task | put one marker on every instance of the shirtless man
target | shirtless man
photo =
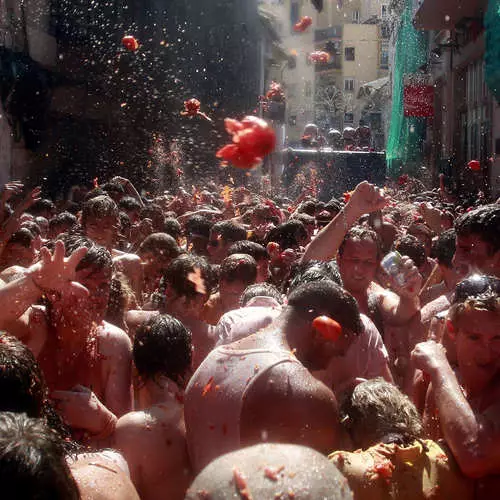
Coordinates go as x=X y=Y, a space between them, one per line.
x=152 y=439
x=464 y=406
x=86 y=361
x=260 y=388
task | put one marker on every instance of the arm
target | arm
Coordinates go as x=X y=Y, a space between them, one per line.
x=474 y=438
x=365 y=198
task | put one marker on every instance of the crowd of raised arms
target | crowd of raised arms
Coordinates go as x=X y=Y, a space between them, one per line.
x=213 y=343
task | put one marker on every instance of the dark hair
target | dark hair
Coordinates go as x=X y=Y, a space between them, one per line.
x=361 y=233
x=124 y=221
x=128 y=203
x=381 y=411
x=304 y=218
x=23 y=237
x=97 y=208
x=97 y=256
x=63 y=220
x=230 y=231
x=33 y=461
x=251 y=248
x=41 y=206
x=444 y=248
x=162 y=346
x=94 y=193
x=312 y=271
x=483 y=222
x=113 y=187
x=32 y=226
x=334 y=206
x=326 y=297
x=288 y=234
x=307 y=207
x=160 y=245
x=411 y=247
x=198 y=225
x=238 y=267
x=260 y=290
x=477 y=286
x=172 y=227
x=155 y=213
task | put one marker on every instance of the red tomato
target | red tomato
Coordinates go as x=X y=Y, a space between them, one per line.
x=319 y=56
x=303 y=24
x=130 y=43
x=192 y=107
x=328 y=327
x=474 y=165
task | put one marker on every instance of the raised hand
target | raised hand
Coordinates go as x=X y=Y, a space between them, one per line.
x=366 y=198
x=11 y=189
x=408 y=282
x=429 y=357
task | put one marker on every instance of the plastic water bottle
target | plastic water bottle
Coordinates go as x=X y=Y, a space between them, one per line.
x=392 y=264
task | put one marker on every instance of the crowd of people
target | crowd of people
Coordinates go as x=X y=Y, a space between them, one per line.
x=216 y=343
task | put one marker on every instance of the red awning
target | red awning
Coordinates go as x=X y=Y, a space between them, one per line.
x=445 y=14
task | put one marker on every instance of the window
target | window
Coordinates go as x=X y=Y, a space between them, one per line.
x=294 y=14
x=292 y=120
x=348 y=117
x=385 y=31
x=385 y=12
x=349 y=53
x=355 y=16
x=384 y=55
x=349 y=84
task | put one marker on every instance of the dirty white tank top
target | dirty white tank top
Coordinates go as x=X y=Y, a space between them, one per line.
x=215 y=396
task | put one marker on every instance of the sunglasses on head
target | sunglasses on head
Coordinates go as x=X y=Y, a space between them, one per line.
x=475 y=286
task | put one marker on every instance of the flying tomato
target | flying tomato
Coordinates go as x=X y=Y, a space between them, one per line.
x=130 y=43
x=303 y=24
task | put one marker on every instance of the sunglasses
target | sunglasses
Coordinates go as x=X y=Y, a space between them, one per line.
x=475 y=286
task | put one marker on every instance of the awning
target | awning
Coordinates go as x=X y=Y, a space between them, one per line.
x=371 y=87
x=445 y=14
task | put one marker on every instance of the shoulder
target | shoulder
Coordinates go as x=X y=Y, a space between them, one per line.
x=113 y=341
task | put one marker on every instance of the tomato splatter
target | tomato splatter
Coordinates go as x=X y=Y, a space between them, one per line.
x=130 y=43
x=474 y=165
x=347 y=196
x=303 y=24
x=403 y=179
x=253 y=139
x=272 y=473
x=208 y=387
x=328 y=327
x=319 y=56
x=275 y=92
x=384 y=469
x=192 y=108
x=241 y=484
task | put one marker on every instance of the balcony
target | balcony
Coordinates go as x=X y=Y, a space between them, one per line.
x=445 y=14
x=336 y=63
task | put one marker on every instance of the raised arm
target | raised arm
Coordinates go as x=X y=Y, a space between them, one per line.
x=365 y=198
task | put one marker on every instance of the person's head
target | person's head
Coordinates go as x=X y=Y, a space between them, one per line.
x=162 y=348
x=258 y=252
x=474 y=320
x=359 y=258
x=309 y=301
x=443 y=251
x=301 y=473
x=157 y=251
x=260 y=290
x=114 y=191
x=33 y=461
x=94 y=273
x=19 y=249
x=100 y=220
x=197 y=229
x=186 y=285
x=155 y=214
x=43 y=208
x=43 y=224
x=309 y=223
x=312 y=271
x=236 y=273
x=378 y=412
x=478 y=241
x=131 y=207
x=61 y=223
x=423 y=234
x=411 y=247
x=173 y=228
x=291 y=234
x=222 y=236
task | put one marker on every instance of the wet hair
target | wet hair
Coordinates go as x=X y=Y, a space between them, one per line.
x=362 y=233
x=162 y=346
x=238 y=267
x=94 y=193
x=312 y=271
x=304 y=218
x=129 y=203
x=230 y=231
x=288 y=234
x=483 y=222
x=326 y=297
x=63 y=220
x=411 y=247
x=23 y=237
x=155 y=213
x=260 y=290
x=334 y=206
x=96 y=256
x=477 y=292
x=113 y=187
x=307 y=474
x=307 y=207
x=172 y=227
x=381 y=412
x=32 y=226
x=124 y=221
x=444 y=248
x=198 y=225
x=177 y=274
x=97 y=208
x=258 y=252
x=40 y=206
x=160 y=245
x=33 y=461
x=120 y=296
x=22 y=385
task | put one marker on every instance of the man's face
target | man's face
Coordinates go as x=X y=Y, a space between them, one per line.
x=358 y=264
x=478 y=347
x=474 y=254
x=103 y=231
x=217 y=248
